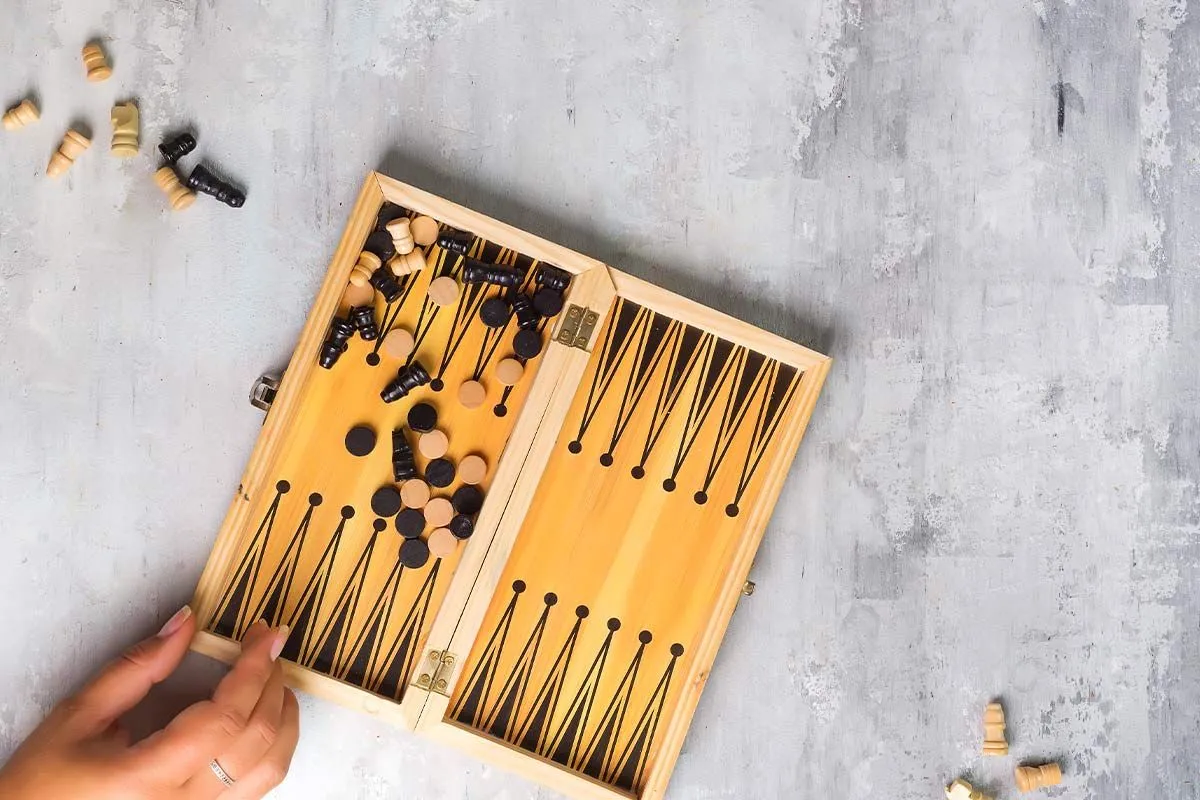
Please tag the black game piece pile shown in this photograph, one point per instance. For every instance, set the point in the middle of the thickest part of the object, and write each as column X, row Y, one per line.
column 407, row 379
column 527, row 342
column 404, row 463
column 495, row 312
column 201, row 179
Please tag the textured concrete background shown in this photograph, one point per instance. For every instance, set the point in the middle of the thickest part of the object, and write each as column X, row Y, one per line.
column 986, row 212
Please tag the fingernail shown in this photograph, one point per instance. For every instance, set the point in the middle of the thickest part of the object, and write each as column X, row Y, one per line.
column 281, row 637
column 175, row 622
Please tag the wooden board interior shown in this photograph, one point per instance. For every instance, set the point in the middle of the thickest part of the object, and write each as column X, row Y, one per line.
column 311, row 553
column 661, row 478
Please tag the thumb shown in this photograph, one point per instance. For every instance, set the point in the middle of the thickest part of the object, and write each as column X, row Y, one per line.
column 128, row 679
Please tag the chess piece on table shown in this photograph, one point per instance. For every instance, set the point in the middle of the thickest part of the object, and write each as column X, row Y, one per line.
column 95, row 62
column 124, row 119
column 73, row 144
column 203, row 180
column 21, row 115
column 177, row 148
column 1032, row 778
column 179, row 196
column 994, row 743
column 961, row 790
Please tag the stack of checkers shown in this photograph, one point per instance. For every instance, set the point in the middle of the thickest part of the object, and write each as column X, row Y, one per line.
column 430, row 512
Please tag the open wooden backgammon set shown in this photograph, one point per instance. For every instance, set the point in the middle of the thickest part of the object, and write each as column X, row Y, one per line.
column 507, row 496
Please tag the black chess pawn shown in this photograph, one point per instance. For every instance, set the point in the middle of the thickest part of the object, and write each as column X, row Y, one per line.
column 202, row 180
column 340, row 332
column 456, row 241
column 386, row 284
column 527, row 316
column 178, row 147
column 478, row 272
column 407, row 379
column 363, row 318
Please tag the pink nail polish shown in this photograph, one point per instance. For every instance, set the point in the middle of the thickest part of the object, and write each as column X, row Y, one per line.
column 281, row 637
column 175, row 622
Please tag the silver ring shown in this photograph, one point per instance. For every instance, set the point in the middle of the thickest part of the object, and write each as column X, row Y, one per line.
column 221, row 774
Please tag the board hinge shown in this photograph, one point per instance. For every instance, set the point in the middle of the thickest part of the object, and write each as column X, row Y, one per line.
column 438, row 669
column 577, row 327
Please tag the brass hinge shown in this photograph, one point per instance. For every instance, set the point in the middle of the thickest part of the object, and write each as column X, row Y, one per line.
column 577, row 327
column 438, row 669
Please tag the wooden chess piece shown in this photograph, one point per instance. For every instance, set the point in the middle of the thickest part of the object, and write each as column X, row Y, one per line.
column 96, row 63
column 961, row 790
column 443, row 291
column 177, row 194
column 424, row 230
column 994, row 743
column 407, row 264
column 73, row 144
column 509, row 371
column 21, row 115
column 401, row 231
column 125, row 130
column 472, row 469
column 1031, row 778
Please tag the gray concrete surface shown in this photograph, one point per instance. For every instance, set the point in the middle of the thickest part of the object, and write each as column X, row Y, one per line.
column 998, row 494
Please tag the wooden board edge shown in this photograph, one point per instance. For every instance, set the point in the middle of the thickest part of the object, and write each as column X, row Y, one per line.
column 701, row 316
column 730, row 593
column 287, row 400
column 493, row 230
column 528, row 765
column 313, row 683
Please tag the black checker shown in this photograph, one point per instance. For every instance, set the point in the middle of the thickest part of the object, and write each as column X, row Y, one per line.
column 462, row 526
column 495, row 312
column 440, row 473
column 386, row 501
column 548, row 302
column 527, row 344
column 467, row 500
column 414, row 553
column 422, row 418
column 360, row 440
column 410, row 523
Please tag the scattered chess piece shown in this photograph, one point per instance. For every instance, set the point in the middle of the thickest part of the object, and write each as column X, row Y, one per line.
column 961, row 790
column 358, row 295
column 479, row 272
column 1031, row 778
column 21, row 115
column 407, row 379
column 456, row 242
column 340, row 331
column 401, row 231
column 363, row 318
column 380, row 243
column 203, row 180
column 383, row 281
column 424, row 230
column 95, row 62
column 73, row 144
column 179, row 196
column 994, row 743
column 404, row 463
column 125, row 130
column 407, row 264
column 177, row 148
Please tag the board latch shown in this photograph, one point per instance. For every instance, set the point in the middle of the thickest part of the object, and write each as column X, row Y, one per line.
column 438, row 669
column 577, row 327
column 262, row 393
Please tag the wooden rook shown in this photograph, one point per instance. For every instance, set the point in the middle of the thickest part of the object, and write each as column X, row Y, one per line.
column 20, row 115
column 401, row 232
column 994, row 743
column 1032, row 778
column 407, row 379
column 961, row 790
column 73, row 144
column 203, row 180
column 178, row 195
column 340, row 331
column 96, row 63
column 177, row 147
column 424, row 230
column 124, row 120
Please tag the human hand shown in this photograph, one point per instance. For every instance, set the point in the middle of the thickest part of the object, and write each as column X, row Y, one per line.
column 82, row 752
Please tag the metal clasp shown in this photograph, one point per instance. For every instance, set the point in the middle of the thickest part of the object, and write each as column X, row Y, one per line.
column 262, row 393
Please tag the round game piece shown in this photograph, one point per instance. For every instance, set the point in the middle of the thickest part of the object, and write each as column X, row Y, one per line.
column 548, row 302
column 356, row 295
column 439, row 512
column 442, row 543
column 527, row 343
column 360, row 276
column 439, row 473
column 472, row 469
column 495, row 312
column 398, row 343
column 461, row 526
column 410, row 523
column 509, row 371
column 443, row 291
column 414, row 553
column 380, row 243
column 386, row 501
column 467, row 500
column 471, row 394
column 360, row 440
column 423, row 418
column 414, row 493
column 424, row 230
column 433, row 444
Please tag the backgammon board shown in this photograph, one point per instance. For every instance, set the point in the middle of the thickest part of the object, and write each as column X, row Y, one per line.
column 507, row 496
